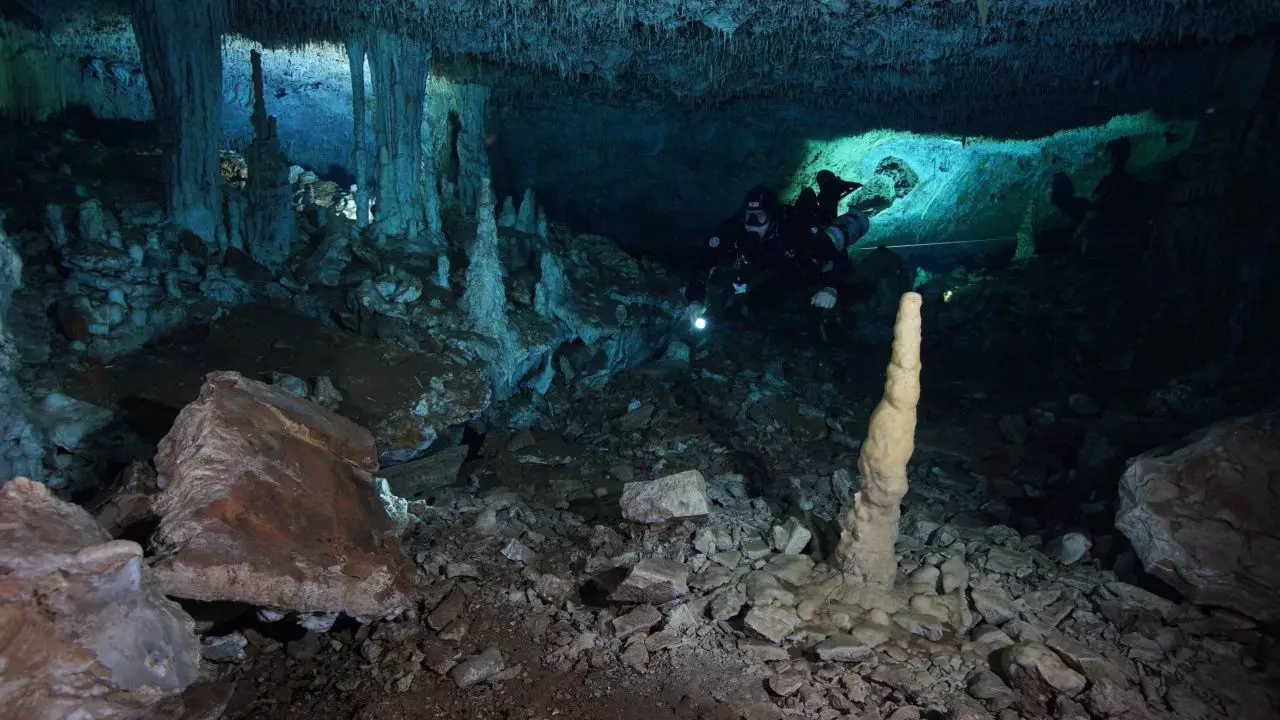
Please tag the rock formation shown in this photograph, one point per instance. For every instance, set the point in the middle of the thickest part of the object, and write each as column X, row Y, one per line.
column 268, row 500
column 870, row 529
column 84, row 631
column 1203, row 517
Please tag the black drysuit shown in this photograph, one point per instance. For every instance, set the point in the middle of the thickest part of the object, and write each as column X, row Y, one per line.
column 793, row 252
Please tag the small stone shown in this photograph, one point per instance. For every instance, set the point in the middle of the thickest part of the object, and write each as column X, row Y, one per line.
column 456, row 570
column 640, row 619
column 455, row 631
column 478, row 669
column 448, row 610
column 224, row 648
column 728, row 603
column 728, row 558
column 674, row 496
column 993, row 604
column 1039, row 673
column 755, row 549
column 792, row 537
column 792, row 569
column 1069, row 549
column 761, row 650
column 437, row 658
column 771, row 622
column 653, row 581
column 636, row 657
column 785, row 684
column 925, row 626
column 515, row 551
column 852, row 647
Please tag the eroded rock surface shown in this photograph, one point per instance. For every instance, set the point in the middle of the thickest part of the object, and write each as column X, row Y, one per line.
column 269, row 501
column 83, row 632
column 1203, row 517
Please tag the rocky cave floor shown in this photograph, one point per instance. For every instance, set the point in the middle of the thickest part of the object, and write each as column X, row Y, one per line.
column 1039, row 381
column 521, row 553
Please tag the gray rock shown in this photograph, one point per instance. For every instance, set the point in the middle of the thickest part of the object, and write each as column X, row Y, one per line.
column 853, row 646
column 754, row 549
column 224, row 648
column 515, row 551
column 761, row 650
column 925, row 626
column 653, row 581
column 674, row 496
column 1069, row 549
column 771, row 623
column 638, row 620
column 728, row 603
column 993, row 604
column 416, row 478
column 785, row 684
column 1009, row 562
column 791, row 537
column 479, row 669
column 1038, row 673
column 791, row 569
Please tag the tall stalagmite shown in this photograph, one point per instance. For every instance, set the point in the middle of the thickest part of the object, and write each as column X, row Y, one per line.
column 181, row 49
column 870, row 529
column 485, row 300
column 270, row 226
column 399, row 65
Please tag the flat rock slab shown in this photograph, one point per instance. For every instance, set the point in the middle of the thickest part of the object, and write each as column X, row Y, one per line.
column 675, row 496
column 269, row 501
column 83, row 631
column 1203, row 517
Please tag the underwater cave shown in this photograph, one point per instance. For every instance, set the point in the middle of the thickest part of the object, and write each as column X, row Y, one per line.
column 650, row 359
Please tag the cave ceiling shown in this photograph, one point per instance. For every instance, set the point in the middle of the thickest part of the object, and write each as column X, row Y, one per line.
column 1012, row 67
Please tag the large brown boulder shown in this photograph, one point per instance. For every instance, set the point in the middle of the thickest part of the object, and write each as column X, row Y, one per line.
column 83, row 632
column 269, row 500
column 1203, row 517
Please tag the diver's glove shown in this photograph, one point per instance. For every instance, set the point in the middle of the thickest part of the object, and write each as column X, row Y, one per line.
column 824, row 298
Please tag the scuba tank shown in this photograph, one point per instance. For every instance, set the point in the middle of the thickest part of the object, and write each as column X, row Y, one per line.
column 848, row 229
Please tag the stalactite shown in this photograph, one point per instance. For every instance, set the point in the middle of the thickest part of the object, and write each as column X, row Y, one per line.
column 399, row 64
column 269, row 225
column 181, row 50
column 359, row 150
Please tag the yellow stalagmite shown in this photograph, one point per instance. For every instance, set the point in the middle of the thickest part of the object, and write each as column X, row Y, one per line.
column 870, row 529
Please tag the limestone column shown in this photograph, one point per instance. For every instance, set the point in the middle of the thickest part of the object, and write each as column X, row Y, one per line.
column 181, row 50
column 473, row 155
column 270, row 225
column 399, row 65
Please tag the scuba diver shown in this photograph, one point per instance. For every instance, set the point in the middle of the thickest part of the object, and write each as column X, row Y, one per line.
column 831, row 190
column 769, row 245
